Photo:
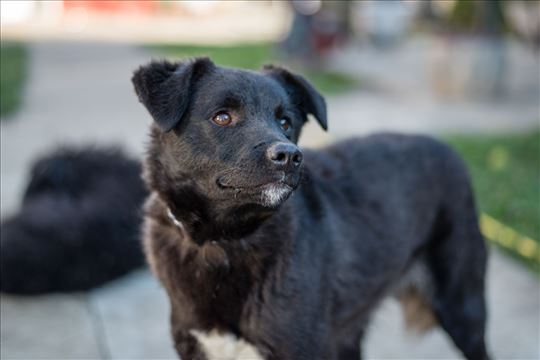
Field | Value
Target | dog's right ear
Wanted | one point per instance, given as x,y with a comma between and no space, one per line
303,93
165,88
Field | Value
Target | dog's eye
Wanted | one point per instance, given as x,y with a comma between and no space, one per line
222,119
284,123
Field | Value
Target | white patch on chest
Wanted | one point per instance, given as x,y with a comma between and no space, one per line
274,194
225,346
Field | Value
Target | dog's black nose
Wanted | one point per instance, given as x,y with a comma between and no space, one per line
284,154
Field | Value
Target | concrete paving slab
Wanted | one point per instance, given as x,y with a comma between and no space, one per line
514,309
47,327
77,94
134,313
513,296
363,112
404,87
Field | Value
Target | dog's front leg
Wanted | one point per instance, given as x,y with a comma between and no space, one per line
186,345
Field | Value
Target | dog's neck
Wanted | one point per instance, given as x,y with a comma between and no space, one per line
216,275
203,221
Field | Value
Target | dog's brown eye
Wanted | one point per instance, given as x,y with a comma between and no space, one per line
222,119
285,124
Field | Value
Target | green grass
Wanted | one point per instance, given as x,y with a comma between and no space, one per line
254,56
506,177
13,63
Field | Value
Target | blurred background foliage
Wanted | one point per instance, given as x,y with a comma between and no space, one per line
505,171
13,72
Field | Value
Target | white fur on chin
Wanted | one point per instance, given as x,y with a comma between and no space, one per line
274,194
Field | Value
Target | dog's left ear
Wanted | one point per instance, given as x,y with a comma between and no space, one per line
165,88
302,93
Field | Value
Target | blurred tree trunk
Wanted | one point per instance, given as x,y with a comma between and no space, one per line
492,19
485,17
426,13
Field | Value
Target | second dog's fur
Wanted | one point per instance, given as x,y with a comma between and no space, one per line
78,226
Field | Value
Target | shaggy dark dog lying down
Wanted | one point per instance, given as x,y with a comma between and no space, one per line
292,250
78,226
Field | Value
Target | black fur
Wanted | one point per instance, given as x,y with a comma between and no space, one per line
298,275
78,225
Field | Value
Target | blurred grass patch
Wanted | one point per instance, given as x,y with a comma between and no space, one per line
506,175
13,68
254,56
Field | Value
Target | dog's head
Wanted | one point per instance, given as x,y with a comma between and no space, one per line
227,135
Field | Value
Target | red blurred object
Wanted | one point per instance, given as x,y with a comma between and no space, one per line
112,7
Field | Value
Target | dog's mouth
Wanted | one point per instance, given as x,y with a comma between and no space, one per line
268,193
243,184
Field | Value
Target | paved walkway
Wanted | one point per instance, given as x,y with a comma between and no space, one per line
81,93
432,85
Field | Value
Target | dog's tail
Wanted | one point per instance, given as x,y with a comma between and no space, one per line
78,226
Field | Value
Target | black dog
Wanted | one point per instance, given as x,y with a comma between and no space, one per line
78,225
292,250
